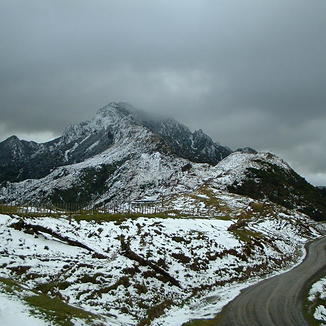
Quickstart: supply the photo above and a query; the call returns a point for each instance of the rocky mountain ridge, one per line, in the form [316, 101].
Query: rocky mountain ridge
[116, 123]
[226, 220]
[123, 155]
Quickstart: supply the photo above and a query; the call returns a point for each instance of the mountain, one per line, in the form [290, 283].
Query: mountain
[220, 221]
[264, 175]
[114, 125]
[322, 190]
[124, 154]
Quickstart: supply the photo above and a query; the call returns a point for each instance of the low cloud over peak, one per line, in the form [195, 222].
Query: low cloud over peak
[248, 73]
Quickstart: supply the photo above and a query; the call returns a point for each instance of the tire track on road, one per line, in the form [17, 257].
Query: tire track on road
[278, 301]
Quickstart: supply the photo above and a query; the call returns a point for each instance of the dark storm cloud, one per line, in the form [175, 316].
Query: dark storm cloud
[247, 72]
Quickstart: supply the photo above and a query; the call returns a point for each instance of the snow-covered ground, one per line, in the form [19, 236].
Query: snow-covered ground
[158, 271]
[139, 176]
[317, 295]
[14, 313]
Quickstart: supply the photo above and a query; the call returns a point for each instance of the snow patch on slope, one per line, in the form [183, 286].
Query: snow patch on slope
[208, 257]
[14, 313]
[232, 169]
[317, 293]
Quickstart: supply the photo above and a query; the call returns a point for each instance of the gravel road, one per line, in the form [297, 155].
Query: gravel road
[278, 301]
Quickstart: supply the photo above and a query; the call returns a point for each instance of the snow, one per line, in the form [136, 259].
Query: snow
[146, 175]
[317, 293]
[206, 255]
[15, 313]
[232, 169]
[4, 219]
[320, 313]
[318, 289]
[200, 308]
[211, 242]
[142, 171]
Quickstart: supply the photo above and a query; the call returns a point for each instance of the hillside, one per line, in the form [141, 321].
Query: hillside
[149, 270]
[263, 175]
[123, 154]
[214, 221]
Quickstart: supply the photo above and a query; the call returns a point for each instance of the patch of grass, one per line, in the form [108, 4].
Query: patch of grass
[257, 206]
[52, 309]
[19, 270]
[121, 217]
[36, 215]
[23, 211]
[213, 201]
[4, 209]
[86, 278]
[123, 281]
[55, 310]
[94, 215]
[141, 288]
[8, 285]
[181, 258]
[239, 230]
[98, 216]
[52, 286]
[224, 218]
[180, 239]
[202, 322]
[246, 235]
[155, 312]
[102, 217]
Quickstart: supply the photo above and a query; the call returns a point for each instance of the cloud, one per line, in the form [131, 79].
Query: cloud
[247, 72]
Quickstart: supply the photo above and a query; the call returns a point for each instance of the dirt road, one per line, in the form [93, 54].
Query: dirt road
[278, 301]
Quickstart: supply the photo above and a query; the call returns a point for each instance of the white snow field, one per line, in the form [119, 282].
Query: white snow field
[317, 295]
[148, 270]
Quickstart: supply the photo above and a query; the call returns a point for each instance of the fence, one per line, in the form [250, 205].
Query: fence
[69, 209]
[75, 208]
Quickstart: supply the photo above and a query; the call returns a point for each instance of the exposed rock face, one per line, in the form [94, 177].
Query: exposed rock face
[122, 155]
[196, 146]
[265, 176]
[116, 123]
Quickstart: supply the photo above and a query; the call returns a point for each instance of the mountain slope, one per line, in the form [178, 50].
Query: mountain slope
[114, 124]
[148, 270]
[225, 220]
[196, 146]
[123, 155]
[264, 175]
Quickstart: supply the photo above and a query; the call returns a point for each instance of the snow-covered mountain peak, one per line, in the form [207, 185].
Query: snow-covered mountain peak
[235, 167]
[116, 134]
[114, 109]
[12, 139]
[115, 120]
[199, 132]
[14, 145]
[122, 123]
[244, 160]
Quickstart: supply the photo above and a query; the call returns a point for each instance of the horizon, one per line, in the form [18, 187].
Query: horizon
[47, 137]
[225, 67]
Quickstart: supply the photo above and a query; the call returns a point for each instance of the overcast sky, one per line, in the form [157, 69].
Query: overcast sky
[249, 73]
